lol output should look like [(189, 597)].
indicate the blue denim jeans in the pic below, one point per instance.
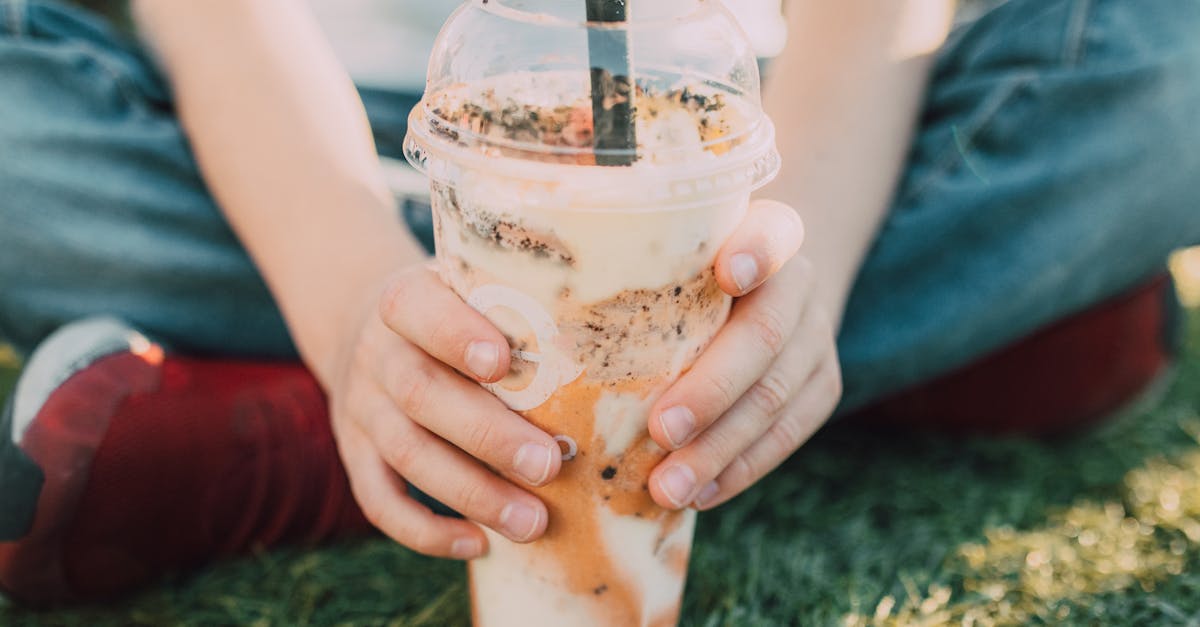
[(1057, 162)]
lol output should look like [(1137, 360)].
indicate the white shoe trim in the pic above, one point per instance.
[(67, 351)]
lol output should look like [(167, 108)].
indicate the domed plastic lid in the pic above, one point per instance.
[(674, 87)]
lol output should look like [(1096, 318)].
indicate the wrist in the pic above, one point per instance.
[(331, 289)]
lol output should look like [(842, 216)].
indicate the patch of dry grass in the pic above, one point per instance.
[(1186, 266)]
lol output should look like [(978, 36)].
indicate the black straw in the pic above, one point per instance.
[(612, 85)]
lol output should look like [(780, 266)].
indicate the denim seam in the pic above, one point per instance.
[(1073, 43), (964, 137), (19, 26), (126, 85), (17, 13)]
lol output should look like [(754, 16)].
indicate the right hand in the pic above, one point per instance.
[(406, 408)]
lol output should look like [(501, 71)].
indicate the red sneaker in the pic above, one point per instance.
[(119, 463), (1064, 378)]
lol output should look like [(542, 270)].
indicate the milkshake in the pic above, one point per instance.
[(600, 277)]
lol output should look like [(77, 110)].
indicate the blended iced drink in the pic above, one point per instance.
[(600, 275)]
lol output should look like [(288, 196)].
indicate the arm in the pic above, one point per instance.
[(284, 145), (844, 96)]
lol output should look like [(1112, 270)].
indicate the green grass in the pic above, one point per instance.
[(859, 528), (8, 376)]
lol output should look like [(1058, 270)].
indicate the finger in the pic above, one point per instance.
[(452, 477), (676, 481), (385, 502), (767, 238), (759, 329), (471, 418), (419, 307), (798, 423)]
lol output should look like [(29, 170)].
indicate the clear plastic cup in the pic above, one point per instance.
[(596, 262)]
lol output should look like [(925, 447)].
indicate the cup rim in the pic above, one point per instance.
[(745, 168), (502, 10), (423, 119)]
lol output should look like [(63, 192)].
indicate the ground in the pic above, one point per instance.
[(858, 529)]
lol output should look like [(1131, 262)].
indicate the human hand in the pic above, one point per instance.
[(767, 382), (401, 413)]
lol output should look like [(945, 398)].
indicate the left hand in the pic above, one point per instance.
[(767, 382)]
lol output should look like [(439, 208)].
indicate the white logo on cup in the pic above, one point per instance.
[(554, 369)]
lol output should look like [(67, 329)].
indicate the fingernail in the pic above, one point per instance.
[(519, 521), (466, 548), (677, 424), (482, 359), (533, 462), (677, 482), (744, 269), (707, 493)]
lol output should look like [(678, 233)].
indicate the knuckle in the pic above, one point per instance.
[(741, 471), (413, 390), (357, 407), (399, 455), (718, 449), (444, 334), (766, 323), (422, 540), (723, 389), (480, 437), (836, 388), (822, 325), (375, 513), (392, 301), (831, 379), (471, 499), (787, 435), (400, 446), (770, 394)]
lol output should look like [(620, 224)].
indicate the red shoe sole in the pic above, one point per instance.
[(154, 467), (1065, 378)]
